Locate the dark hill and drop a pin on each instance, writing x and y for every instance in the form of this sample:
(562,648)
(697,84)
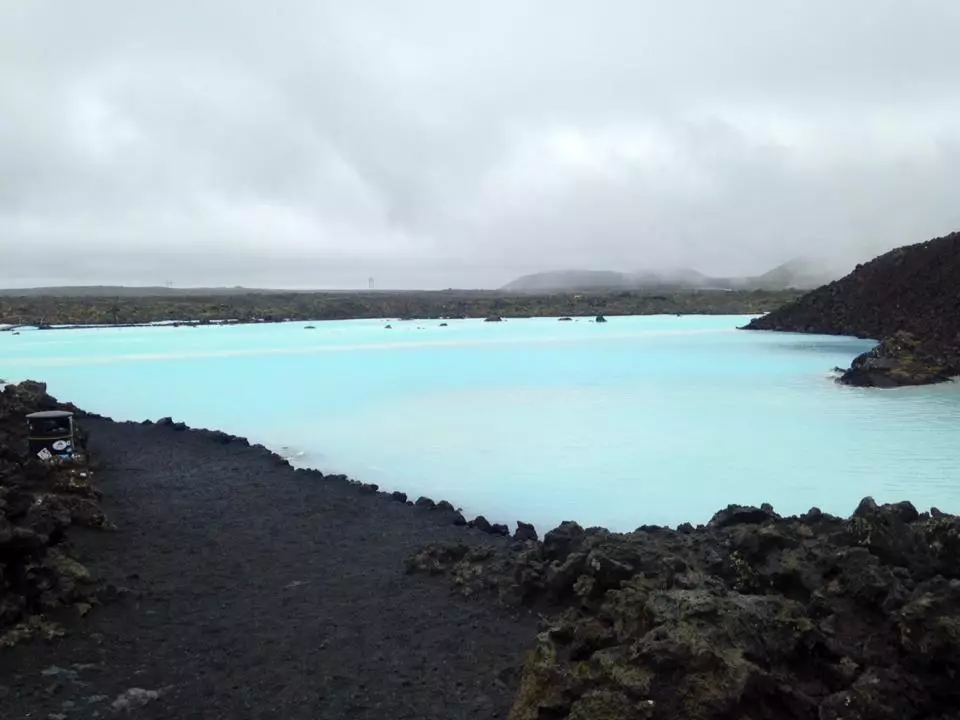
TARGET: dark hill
(908,298)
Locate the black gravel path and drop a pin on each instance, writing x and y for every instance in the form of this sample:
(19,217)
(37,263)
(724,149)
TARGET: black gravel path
(261,592)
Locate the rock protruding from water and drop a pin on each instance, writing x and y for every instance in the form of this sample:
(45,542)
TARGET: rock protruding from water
(751,616)
(899,360)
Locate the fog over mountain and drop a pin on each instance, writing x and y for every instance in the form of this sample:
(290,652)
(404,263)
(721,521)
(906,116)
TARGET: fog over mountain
(432,144)
(796,274)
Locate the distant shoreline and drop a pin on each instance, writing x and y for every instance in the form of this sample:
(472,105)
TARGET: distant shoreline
(50,312)
(231,323)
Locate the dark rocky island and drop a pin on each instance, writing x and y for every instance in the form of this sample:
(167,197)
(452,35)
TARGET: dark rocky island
(908,299)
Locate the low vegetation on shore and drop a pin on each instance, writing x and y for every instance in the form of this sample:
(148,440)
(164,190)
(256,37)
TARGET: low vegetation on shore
(260,307)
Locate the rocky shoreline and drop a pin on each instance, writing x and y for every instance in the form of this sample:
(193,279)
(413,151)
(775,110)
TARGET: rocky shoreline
(901,359)
(39,502)
(750,616)
(442,510)
(906,298)
(246,588)
(753,615)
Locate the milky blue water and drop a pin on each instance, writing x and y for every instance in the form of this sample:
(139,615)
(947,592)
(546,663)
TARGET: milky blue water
(641,420)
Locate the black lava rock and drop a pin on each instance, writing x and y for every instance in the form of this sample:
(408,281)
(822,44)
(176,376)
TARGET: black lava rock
(525,532)
(481,523)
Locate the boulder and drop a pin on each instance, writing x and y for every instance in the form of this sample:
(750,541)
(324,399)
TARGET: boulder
(436,559)
(525,532)
(481,524)
(740,515)
(562,540)
(425,502)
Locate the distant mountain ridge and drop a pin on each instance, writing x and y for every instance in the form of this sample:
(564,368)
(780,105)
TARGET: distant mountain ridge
(796,274)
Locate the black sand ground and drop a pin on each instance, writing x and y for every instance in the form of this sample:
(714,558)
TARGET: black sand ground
(259,592)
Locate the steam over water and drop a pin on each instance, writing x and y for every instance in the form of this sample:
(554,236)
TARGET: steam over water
(636,421)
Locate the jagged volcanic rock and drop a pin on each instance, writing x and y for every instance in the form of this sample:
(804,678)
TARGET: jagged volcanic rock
(751,616)
(908,298)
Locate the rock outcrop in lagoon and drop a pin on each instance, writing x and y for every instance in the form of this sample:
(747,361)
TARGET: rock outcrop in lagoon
(901,359)
(751,616)
(38,502)
(907,298)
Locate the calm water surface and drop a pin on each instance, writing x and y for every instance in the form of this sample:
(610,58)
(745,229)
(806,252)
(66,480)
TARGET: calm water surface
(641,420)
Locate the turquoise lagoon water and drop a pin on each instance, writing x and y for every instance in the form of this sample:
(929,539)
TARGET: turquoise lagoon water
(641,420)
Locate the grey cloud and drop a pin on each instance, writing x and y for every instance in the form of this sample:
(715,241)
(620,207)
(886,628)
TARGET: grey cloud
(436,144)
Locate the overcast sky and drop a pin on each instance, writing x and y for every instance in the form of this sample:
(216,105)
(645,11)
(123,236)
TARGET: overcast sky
(450,143)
